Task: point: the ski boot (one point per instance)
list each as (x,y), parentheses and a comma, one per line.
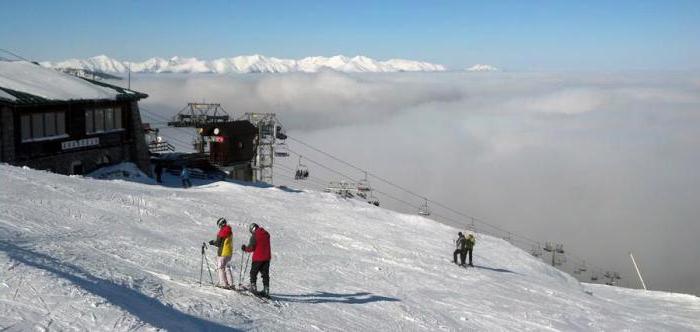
(265,292)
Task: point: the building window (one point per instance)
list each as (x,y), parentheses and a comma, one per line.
(118,118)
(89,121)
(109,119)
(26,127)
(100,120)
(60,123)
(50,124)
(39,126)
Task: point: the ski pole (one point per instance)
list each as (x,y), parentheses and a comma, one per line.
(208,268)
(246,263)
(201,265)
(240,272)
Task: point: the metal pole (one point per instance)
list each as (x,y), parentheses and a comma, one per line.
(206,260)
(240,273)
(201,266)
(637,269)
(554,252)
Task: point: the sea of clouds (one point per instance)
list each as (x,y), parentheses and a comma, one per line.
(605,163)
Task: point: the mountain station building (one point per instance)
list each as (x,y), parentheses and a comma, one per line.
(66,124)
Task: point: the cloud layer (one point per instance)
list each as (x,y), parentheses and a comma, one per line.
(605,163)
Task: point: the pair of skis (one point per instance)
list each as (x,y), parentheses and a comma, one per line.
(466,266)
(243,290)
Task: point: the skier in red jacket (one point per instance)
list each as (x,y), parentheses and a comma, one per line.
(259,245)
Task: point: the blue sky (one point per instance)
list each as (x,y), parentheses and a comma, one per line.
(516,35)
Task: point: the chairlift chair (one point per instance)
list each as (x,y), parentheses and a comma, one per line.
(423,209)
(302,172)
(281,150)
(363,185)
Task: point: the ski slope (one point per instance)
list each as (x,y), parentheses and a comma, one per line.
(79,253)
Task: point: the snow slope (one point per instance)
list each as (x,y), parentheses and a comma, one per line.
(245,64)
(103,255)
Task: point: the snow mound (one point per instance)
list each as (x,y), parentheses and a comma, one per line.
(123,171)
(245,64)
(78,253)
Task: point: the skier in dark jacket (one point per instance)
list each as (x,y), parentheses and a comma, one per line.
(461,249)
(259,245)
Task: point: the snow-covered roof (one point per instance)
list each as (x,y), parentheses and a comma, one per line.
(23,82)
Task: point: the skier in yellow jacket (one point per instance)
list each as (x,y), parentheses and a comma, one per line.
(224,240)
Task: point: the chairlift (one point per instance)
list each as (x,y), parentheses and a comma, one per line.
(302,172)
(423,209)
(582,267)
(536,251)
(281,150)
(363,185)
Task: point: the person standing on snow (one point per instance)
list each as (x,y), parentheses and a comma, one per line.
(470,248)
(224,240)
(461,249)
(185,176)
(259,245)
(159,173)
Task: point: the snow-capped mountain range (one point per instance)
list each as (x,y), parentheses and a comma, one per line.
(245,64)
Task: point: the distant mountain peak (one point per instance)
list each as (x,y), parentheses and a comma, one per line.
(482,67)
(255,63)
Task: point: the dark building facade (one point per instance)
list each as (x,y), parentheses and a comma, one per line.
(232,147)
(71,136)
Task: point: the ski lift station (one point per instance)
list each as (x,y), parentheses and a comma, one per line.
(244,148)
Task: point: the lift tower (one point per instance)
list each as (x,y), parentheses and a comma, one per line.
(269,132)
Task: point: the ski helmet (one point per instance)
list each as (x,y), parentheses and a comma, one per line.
(252,227)
(221,222)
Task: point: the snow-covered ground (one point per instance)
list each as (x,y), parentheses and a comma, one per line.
(100,255)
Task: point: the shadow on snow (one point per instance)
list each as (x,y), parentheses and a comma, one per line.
(146,309)
(493,269)
(325,297)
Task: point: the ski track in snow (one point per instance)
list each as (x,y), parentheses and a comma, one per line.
(85,254)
